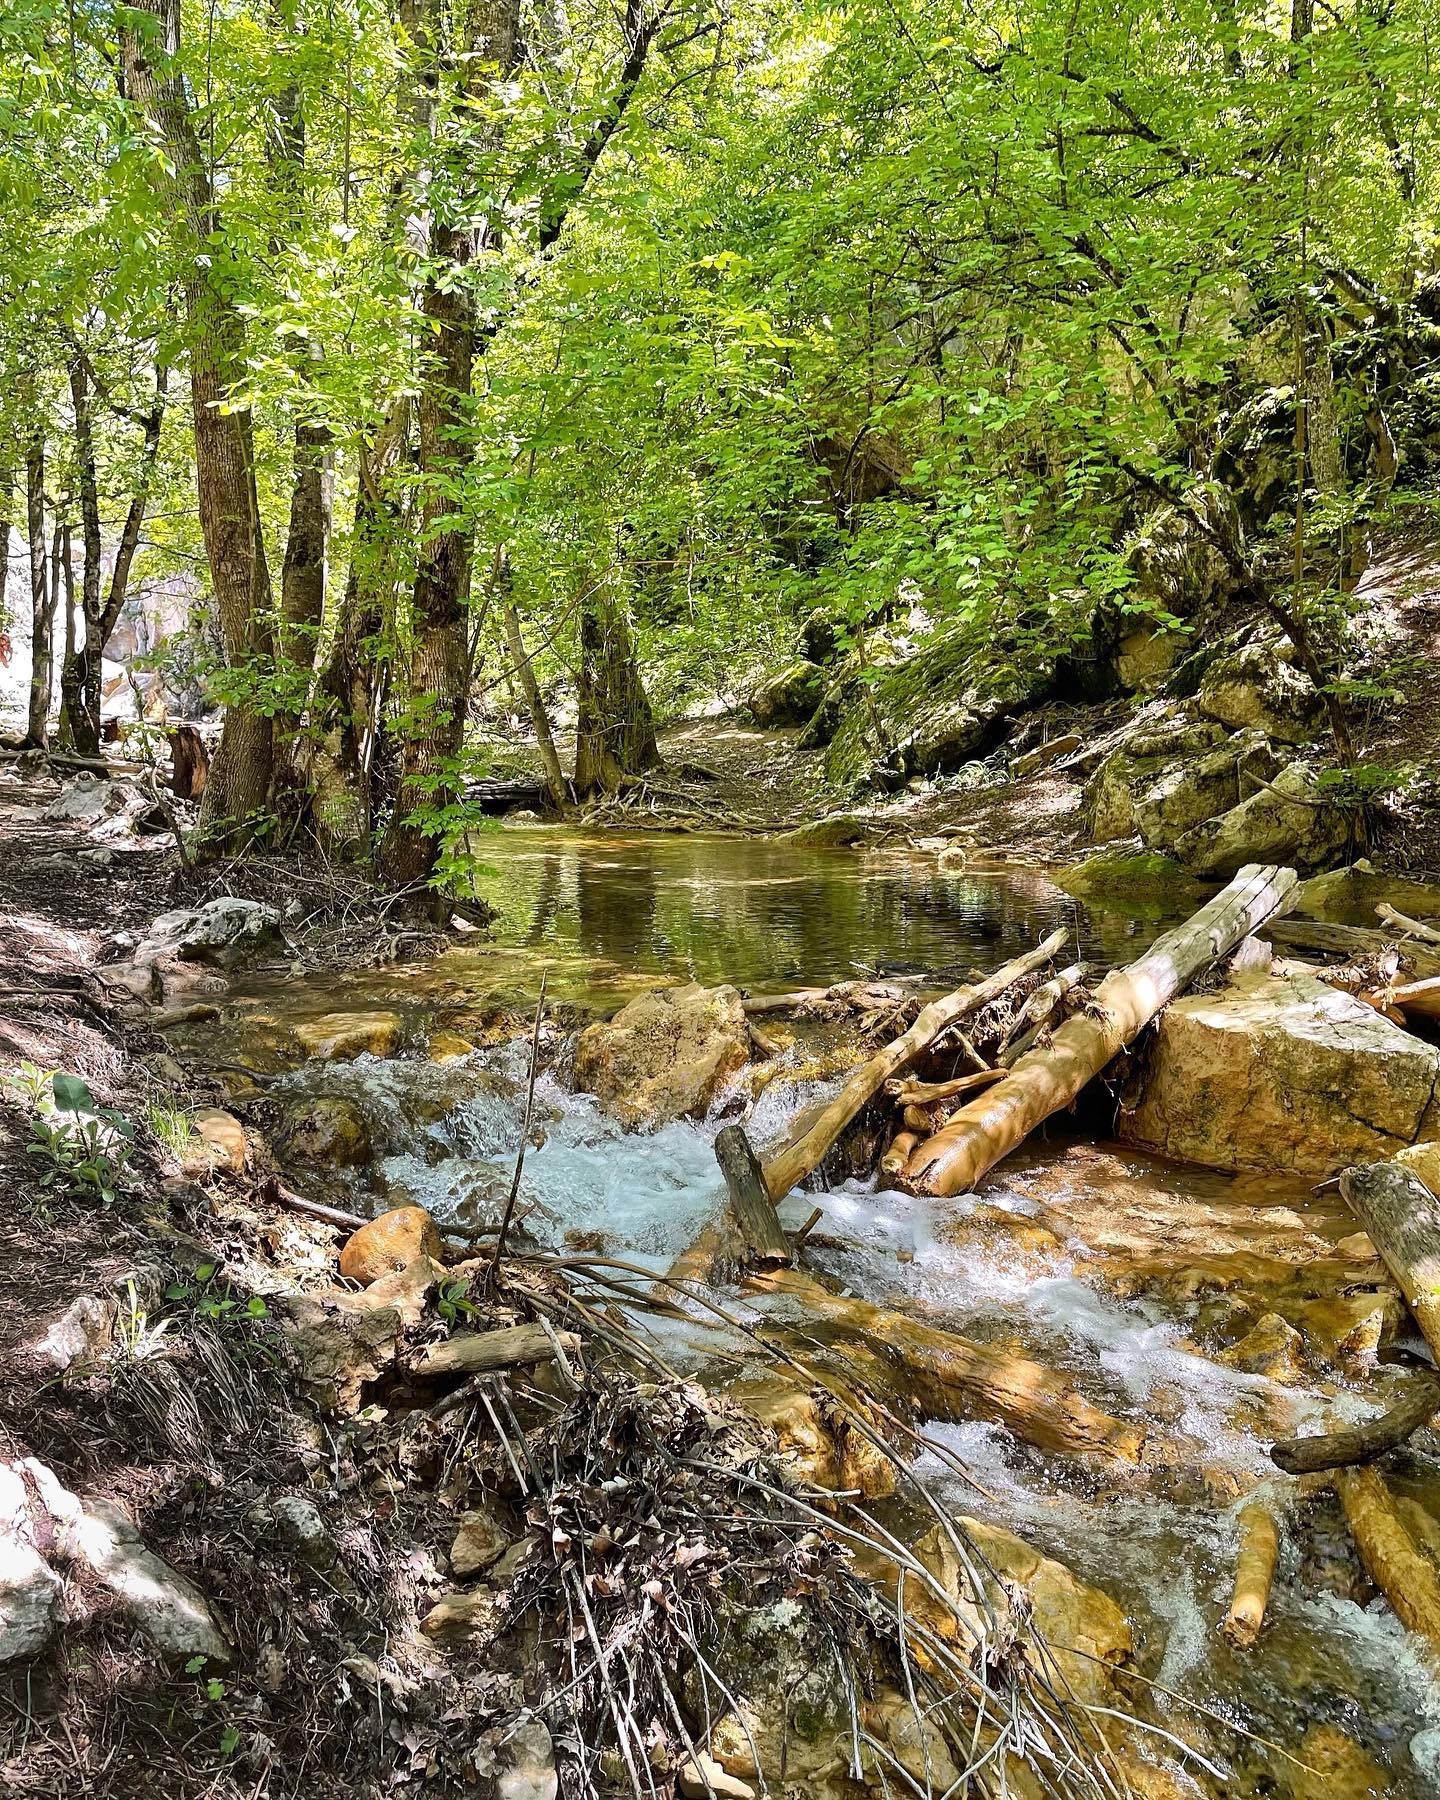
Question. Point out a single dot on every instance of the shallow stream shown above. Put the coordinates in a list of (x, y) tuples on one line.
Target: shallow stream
[(606, 917)]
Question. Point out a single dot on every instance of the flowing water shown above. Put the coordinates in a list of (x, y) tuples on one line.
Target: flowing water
[(604, 917)]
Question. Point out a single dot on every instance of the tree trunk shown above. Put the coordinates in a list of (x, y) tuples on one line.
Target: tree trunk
[(37, 726), (1401, 1217), (750, 1203), (80, 676), (1044, 1081), (240, 779), (130, 531), (614, 728), (439, 682), (535, 701), (1406, 1577), (70, 698), (302, 574)]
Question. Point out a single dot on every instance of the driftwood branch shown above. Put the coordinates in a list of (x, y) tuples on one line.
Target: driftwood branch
[(1361, 1443), (1254, 1574), (750, 1202), (489, 1352)]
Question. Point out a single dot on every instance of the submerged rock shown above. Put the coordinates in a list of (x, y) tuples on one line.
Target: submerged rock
[(390, 1243), (1281, 1072), (342, 1036), (1271, 1348), (327, 1129), (665, 1056), (1129, 874), (1286, 821)]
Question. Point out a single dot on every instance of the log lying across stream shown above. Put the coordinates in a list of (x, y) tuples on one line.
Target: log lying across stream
[(1045, 1080), (1402, 1220)]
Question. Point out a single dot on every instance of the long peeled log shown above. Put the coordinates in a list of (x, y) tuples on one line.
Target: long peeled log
[(1254, 1574), (1392, 1558), (1402, 1220), (1045, 1080), (805, 1151)]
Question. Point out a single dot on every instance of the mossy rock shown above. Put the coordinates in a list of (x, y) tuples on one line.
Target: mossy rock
[(835, 832), (1125, 875)]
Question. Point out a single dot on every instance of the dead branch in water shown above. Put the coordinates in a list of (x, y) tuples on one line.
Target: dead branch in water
[(1254, 1574), (1362, 1443)]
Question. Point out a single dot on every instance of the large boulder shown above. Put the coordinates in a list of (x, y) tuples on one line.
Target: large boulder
[(790, 697), (223, 931), (1282, 1073), (1259, 685), (1191, 789), (1285, 821), (342, 1036), (665, 1056), (30, 1590)]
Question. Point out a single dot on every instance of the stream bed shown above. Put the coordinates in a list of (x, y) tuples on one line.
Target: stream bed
[(607, 917)]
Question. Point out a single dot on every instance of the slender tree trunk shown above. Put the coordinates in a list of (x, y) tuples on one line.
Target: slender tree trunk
[(71, 698), (240, 779), (38, 723), (614, 728), (80, 675), (7, 496), (535, 701), (130, 531)]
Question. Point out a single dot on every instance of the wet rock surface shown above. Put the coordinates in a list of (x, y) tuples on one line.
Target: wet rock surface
[(665, 1056), (1285, 1073), (390, 1244)]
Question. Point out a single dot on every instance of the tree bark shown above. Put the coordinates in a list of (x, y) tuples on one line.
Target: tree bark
[(1044, 1081), (80, 675), (1361, 1443), (1393, 1561), (750, 1202), (1254, 1574), (813, 1133), (240, 779), (37, 728), (1401, 1217), (614, 727), (535, 701)]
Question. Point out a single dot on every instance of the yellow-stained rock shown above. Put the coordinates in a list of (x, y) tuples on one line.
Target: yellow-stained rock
[(340, 1036), (328, 1129), (1336, 1769), (393, 1241), (1271, 1348), (220, 1141), (665, 1056), (1423, 1161), (448, 1047)]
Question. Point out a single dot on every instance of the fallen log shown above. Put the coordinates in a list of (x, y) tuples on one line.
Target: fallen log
[(491, 1352), (854, 996), (1422, 997), (1045, 1080), (1042, 1006), (1349, 941), (806, 1147), (1254, 1574), (1361, 1443), (750, 1202), (954, 1378), (1392, 1559), (1401, 1217)]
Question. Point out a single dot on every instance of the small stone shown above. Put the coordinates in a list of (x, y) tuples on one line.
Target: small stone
[(448, 1047), (219, 1142), (342, 1036), (298, 1523), (460, 1617), (527, 1764), (702, 1776), (29, 1587), (95, 856), (81, 1334), (1357, 1247), (272, 1672), (481, 1540), (407, 1291), (393, 1241), (1270, 1348), (328, 1129)]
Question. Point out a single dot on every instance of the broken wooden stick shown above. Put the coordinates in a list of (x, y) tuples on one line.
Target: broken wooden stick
[(750, 1202), (1361, 1443), (815, 1132), (1401, 1217), (1254, 1574), (1392, 1559), (895, 1157), (1045, 1080), (921, 1093), (1408, 927), (1421, 997), (489, 1352), (1042, 1006)]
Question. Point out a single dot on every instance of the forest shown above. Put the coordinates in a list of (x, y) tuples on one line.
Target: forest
[(720, 899)]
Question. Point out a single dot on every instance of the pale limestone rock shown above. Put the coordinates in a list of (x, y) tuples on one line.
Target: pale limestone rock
[(1286, 821), (667, 1055), (342, 1036), (1283, 1073), (80, 1334), (526, 1764), (223, 931), (481, 1540), (1259, 685), (703, 1776), (29, 1587)]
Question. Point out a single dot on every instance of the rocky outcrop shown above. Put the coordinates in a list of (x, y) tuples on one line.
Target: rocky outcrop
[(1349, 896), (389, 1244), (29, 1588), (665, 1056), (1258, 686), (1284, 1073), (790, 697), (223, 932), (1287, 820)]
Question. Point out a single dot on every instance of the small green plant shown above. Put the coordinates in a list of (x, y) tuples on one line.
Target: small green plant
[(452, 1303), (212, 1299), (214, 1692), (171, 1125), (85, 1146), (26, 1084), (136, 1339)]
